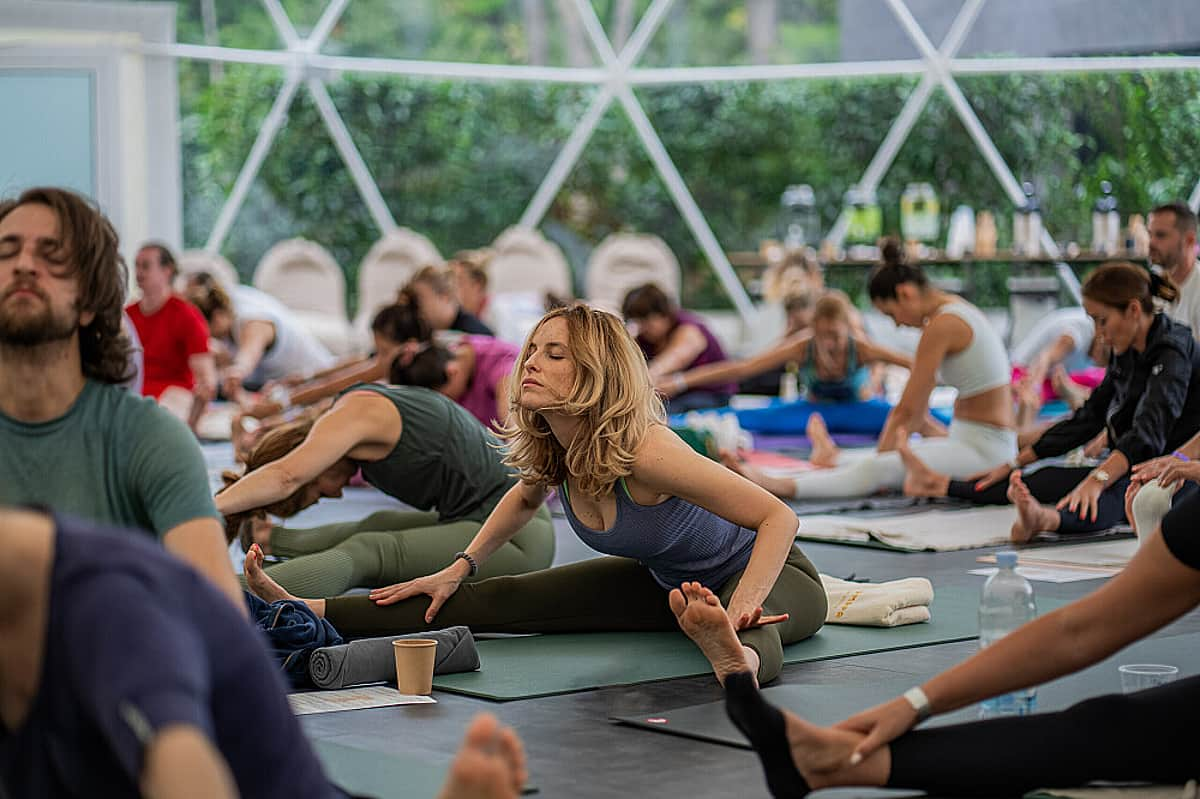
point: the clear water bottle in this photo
(1006, 604)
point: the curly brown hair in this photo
(89, 243)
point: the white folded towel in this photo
(889, 604)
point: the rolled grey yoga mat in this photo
(371, 659)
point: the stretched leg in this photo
(797, 592)
(290, 542)
(598, 595)
(1032, 516)
(1137, 737)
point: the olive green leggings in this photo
(601, 595)
(392, 546)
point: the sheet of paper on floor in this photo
(1054, 574)
(1101, 555)
(353, 699)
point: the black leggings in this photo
(1150, 736)
(1048, 485)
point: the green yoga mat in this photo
(544, 665)
(383, 775)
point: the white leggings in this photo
(970, 448)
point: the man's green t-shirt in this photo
(114, 458)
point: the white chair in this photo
(387, 266)
(525, 267)
(303, 276)
(193, 261)
(624, 261)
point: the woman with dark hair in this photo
(1148, 403)
(674, 341)
(958, 342)
(586, 419)
(475, 374)
(411, 443)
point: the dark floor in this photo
(574, 750)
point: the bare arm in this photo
(201, 543)
(204, 389)
(254, 337)
(1058, 350)
(791, 349)
(870, 352)
(363, 371)
(1069, 639)
(362, 424)
(664, 464)
(181, 763)
(512, 512)
(684, 346)
(945, 334)
(1078, 635)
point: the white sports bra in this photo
(984, 364)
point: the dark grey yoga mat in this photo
(828, 704)
(371, 660)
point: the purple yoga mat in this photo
(764, 441)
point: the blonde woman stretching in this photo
(585, 418)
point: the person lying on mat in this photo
(959, 343)
(675, 340)
(586, 419)
(124, 673)
(1149, 736)
(411, 443)
(263, 339)
(1149, 404)
(475, 374)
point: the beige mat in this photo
(936, 530)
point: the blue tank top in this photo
(844, 390)
(676, 540)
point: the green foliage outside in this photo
(460, 161)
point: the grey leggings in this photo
(600, 595)
(391, 546)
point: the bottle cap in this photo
(1006, 559)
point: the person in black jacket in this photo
(1148, 403)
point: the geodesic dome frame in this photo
(616, 77)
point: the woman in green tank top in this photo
(411, 443)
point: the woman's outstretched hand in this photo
(881, 724)
(439, 587)
(755, 618)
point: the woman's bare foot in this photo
(1071, 392)
(824, 451)
(1032, 516)
(701, 617)
(919, 479)
(259, 582)
(1029, 403)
